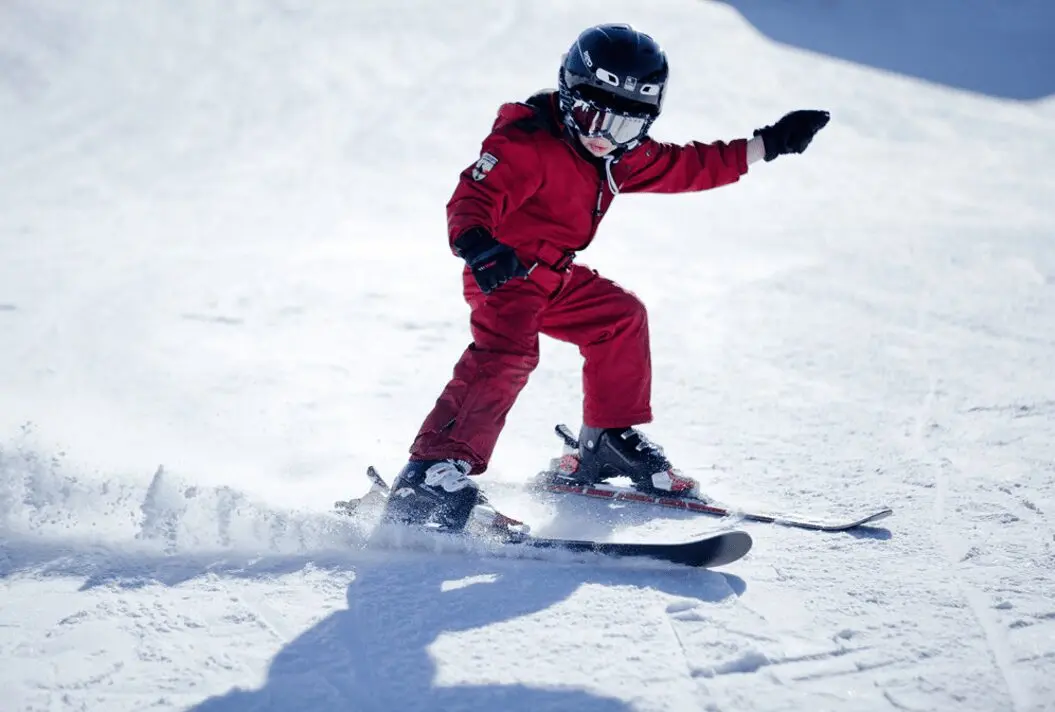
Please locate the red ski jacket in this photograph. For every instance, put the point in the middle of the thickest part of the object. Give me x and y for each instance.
(536, 192)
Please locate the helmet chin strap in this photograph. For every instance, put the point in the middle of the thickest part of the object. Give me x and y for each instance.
(608, 161)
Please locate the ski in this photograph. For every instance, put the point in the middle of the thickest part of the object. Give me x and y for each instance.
(705, 551)
(509, 535)
(628, 494)
(560, 482)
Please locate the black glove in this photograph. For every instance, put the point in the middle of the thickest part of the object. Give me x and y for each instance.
(793, 133)
(492, 263)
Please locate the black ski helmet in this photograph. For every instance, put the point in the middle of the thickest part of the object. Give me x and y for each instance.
(617, 68)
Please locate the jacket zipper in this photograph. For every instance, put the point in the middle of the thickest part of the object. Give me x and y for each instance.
(604, 176)
(600, 186)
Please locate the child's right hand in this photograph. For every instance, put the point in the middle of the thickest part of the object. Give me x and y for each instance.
(492, 263)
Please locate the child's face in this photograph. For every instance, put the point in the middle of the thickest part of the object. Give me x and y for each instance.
(597, 146)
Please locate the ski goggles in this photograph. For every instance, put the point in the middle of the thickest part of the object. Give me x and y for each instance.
(595, 121)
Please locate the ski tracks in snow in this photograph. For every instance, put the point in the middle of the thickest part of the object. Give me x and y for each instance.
(976, 562)
(741, 652)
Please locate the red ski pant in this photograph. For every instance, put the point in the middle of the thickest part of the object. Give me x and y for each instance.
(607, 323)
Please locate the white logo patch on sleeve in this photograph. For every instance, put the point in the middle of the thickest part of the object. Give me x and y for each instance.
(483, 166)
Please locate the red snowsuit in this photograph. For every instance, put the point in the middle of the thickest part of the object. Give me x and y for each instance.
(534, 190)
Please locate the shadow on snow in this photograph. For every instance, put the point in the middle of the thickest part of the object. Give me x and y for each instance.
(374, 655)
(1002, 49)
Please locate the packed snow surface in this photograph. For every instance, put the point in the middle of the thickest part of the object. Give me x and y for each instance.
(225, 289)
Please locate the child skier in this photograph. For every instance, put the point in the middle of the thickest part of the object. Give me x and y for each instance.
(546, 175)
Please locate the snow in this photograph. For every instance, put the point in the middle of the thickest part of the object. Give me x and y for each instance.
(225, 290)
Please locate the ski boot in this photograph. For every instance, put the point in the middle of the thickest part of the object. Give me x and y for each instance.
(601, 453)
(440, 494)
(435, 493)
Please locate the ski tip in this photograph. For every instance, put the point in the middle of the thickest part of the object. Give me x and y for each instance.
(881, 514)
(863, 522)
(733, 546)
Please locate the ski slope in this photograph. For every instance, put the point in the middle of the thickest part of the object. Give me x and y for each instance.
(225, 290)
